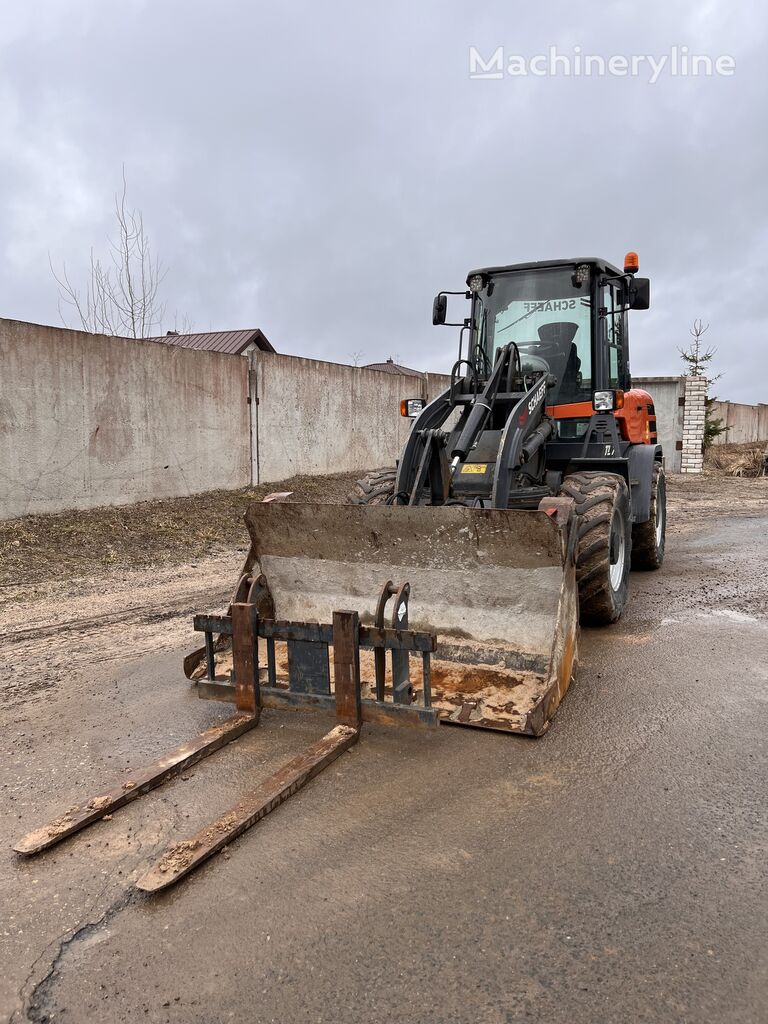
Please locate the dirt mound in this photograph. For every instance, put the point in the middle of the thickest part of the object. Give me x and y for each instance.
(34, 549)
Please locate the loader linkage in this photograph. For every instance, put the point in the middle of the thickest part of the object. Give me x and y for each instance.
(308, 688)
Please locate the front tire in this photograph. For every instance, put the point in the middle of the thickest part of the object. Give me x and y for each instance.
(649, 538)
(374, 488)
(604, 548)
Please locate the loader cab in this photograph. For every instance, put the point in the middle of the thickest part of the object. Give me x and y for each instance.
(568, 319)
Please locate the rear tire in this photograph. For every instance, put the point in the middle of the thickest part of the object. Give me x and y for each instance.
(604, 544)
(648, 539)
(374, 488)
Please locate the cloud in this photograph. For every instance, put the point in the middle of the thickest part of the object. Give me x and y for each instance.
(321, 171)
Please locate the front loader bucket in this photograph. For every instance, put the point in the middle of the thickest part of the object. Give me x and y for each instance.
(495, 585)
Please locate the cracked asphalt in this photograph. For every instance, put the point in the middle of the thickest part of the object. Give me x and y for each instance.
(612, 871)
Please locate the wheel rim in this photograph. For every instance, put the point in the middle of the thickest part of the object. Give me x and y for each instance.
(660, 513)
(618, 555)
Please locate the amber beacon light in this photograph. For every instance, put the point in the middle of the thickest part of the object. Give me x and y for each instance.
(631, 263)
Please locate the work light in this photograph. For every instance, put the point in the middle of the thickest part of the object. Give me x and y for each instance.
(581, 274)
(411, 407)
(603, 401)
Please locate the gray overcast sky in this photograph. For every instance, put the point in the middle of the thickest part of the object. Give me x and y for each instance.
(320, 170)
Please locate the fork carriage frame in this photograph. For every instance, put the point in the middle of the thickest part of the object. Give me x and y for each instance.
(308, 688)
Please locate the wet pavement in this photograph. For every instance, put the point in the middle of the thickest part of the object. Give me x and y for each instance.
(612, 871)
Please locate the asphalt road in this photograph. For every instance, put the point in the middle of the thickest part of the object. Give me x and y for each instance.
(612, 871)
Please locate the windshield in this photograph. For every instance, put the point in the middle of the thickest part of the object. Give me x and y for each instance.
(548, 317)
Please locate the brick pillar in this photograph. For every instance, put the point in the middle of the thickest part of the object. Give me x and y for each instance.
(693, 424)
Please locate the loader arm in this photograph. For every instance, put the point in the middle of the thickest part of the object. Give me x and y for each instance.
(525, 432)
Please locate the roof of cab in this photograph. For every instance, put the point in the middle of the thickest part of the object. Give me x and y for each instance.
(603, 265)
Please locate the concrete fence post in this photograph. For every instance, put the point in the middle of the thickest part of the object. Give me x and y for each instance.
(694, 412)
(253, 414)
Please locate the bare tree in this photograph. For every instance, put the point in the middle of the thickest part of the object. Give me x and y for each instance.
(182, 323)
(356, 358)
(121, 295)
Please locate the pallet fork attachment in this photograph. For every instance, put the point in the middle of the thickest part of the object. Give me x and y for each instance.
(495, 587)
(484, 599)
(245, 628)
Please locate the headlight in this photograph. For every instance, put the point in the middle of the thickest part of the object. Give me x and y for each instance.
(475, 283)
(603, 401)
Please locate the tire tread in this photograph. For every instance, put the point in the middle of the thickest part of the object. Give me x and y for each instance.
(596, 497)
(374, 488)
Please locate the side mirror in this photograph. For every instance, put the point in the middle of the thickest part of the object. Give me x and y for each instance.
(439, 309)
(639, 293)
(411, 407)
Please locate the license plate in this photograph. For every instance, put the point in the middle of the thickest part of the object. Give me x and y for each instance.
(475, 467)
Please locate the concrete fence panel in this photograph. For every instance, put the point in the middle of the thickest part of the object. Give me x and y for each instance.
(667, 393)
(436, 383)
(315, 417)
(719, 410)
(88, 420)
(742, 423)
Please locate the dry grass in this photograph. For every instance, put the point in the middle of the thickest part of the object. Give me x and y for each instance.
(37, 548)
(737, 459)
(107, 542)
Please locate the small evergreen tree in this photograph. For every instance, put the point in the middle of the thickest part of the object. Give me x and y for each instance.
(713, 425)
(697, 361)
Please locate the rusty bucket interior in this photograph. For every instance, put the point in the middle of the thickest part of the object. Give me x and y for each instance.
(496, 586)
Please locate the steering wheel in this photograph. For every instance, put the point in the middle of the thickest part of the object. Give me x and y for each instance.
(532, 364)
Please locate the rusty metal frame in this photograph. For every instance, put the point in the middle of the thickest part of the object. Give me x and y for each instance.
(398, 639)
(346, 636)
(136, 785)
(183, 857)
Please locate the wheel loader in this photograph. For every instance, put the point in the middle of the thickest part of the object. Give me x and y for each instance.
(543, 406)
(449, 589)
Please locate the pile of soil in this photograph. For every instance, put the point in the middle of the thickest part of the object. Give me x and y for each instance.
(39, 554)
(38, 548)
